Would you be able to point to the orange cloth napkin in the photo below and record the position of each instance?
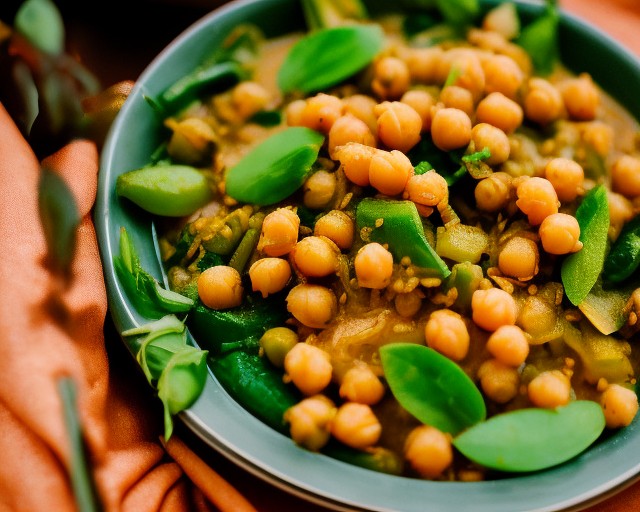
(43, 339)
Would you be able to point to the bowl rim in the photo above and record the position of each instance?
(225, 426)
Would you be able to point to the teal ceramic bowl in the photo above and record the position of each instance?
(605, 468)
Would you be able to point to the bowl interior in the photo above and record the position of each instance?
(226, 426)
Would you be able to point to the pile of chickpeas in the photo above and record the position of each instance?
(471, 95)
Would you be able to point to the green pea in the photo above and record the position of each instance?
(276, 343)
(168, 190)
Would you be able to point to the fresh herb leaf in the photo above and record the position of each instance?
(540, 39)
(422, 167)
(533, 439)
(40, 23)
(327, 57)
(177, 370)
(80, 472)
(146, 294)
(60, 218)
(275, 168)
(431, 387)
(581, 269)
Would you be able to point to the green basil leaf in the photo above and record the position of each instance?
(40, 23)
(580, 270)
(540, 39)
(329, 56)
(431, 387)
(170, 191)
(533, 439)
(275, 168)
(60, 219)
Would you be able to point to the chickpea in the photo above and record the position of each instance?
(454, 96)
(408, 304)
(447, 333)
(220, 287)
(500, 111)
(315, 256)
(428, 189)
(249, 97)
(620, 405)
(390, 171)
(276, 344)
(361, 385)
(503, 75)
(321, 111)
(492, 308)
(560, 234)
(494, 192)
(349, 128)
(543, 103)
(356, 425)
(424, 63)
(549, 389)
(391, 78)
(279, 232)
(625, 176)
(399, 126)
(421, 102)
(309, 421)
(465, 63)
(620, 212)
(485, 135)
(362, 107)
(308, 367)
(338, 227)
(318, 189)
(428, 451)
(374, 266)
(355, 159)
(499, 382)
(504, 20)
(519, 258)
(312, 305)
(450, 129)
(269, 275)
(581, 98)
(599, 136)
(509, 345)
(294, 112)
(537, 199)
(566, 176)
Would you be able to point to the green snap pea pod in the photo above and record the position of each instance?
(249, 320)
(624, 257)
(167, 190)
(398, 224)
(247, 244)
(148, 297)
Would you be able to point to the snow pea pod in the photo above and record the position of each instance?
(624, 257)
(533, 439)
(275, 168)
(167, 190)
(398, 224)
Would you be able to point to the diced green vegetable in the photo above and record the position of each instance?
(607, 308)
(432, 387)
(398, 224)
(461, 242)
(275, 168)
(533, 439)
